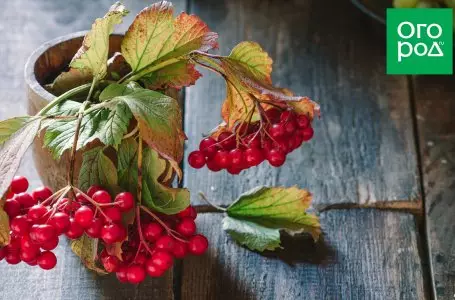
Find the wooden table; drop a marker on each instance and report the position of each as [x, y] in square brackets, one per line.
[381, 165]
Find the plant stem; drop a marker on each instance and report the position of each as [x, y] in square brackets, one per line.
[64, 97]
[139, 170]
[133, 76]
[169, 230]
[203, 197]
[139, 228]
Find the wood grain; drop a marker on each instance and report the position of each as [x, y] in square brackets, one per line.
[435, 110]
[367, 254]
[25, 25]
[363, 150]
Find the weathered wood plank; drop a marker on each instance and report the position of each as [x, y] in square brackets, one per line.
[363, 149]
[367, 254]
[25, 25]
[435, 109]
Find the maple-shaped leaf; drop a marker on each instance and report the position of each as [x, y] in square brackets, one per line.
[159, 118]
[4, 228]
[93, 54]
[156, 194]
[176, 75]
[256, 216]
[155, 39]
[87, 249]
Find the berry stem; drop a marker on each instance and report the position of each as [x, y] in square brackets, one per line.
[169, 230]
[203, 197]
[139, 229]
[94, 203]
[55, 195]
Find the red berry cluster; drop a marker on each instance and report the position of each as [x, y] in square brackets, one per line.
[152, 249]
[38, 219]
[251, 143]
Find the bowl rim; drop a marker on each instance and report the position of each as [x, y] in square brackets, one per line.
[29, 70]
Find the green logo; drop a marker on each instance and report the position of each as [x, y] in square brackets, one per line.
[419, 41]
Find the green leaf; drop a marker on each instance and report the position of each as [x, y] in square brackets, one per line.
[155, 37]
[4, 228]
[252, 235]
[12, 151]
[87, 249]
[155, 194]
[277, 207]
[69, 80]
[116, 125]
[59, 135]
[176, 75]
[11, 126]
[97, 169]
[93, 54]
[159, 118]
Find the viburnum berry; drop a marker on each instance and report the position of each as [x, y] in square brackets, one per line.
[20, 225]
[41, 194]
[208, 147]
[13, 258]
[125, 201]
[94, 229]
[50, 245]
[29, 254]
[102, 197]
[25, 200]
[277, 131]
[180, 249]
[196, 159]
[198, 244]
[152, 231]
[111, 233]
[60, 221]
[152, 270]
[83, 216]
[74, 231]
[226, 140]
[122, 273]
[47, 260]
[42, 233]
[236, 158]
[70, 206]
[276, 157]
[12, 207]
[273, 115]
[253, 157]
[113, 213]
[213, 166]
[140, 259]
[19, 184]
[162, 260]
[186, 227]
[234, 170]
[307, 133]
[286, 116]
[303, 121]
[110, 263]
[3, 253]
[165, 243]
[36, 212]
[222, 159]
[92, 190]
[135, 274]
[188, 212]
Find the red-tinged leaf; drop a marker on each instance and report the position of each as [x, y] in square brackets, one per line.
[115, 249]
[4, 228]
[177, 75]
[87, 249]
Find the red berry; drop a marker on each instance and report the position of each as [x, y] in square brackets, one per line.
[29, 254]
[36, 212]
[303, 121]
[162, 260]
[42, 233]
[81, 199]
[14, 244]
[226, 140]
[222, 159]
[92, 190]
[165, 243]
[102, 197]
[253, 140]
[135, 274]
[50, 245]
[273, 115]
[122, 273]
[60, 221]
[74, 231]
[180, 249]
[208, 147]
[125, 201]
[9, 195]
[111, 233]
[213, 166]
[290, 127]
[19, 225]
[3, 253]
[32, 263]
[198, 244]
[234, 170]
[253, 157]
[13, 258]
[152, 269]
[152, 231]
[26, 243]
[94, 230]
[140, 259]
[307, 133]
[188, 212]
[286, 116]
[70, 206]
[47, 260]
[196, 159]
[110, 263]
[12, 207]
[83, 216]
[277, 131]
[25, 200]
[41, 194]
[113, 213]
[276, 157]
[19, 184]
[283, 146]
[186, 227]
[236, 158]
[127, 257]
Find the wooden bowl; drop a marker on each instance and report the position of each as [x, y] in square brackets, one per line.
[42, 67]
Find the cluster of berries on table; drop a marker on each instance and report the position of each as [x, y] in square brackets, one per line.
[277, 134]
[149, 242]
[152, 250]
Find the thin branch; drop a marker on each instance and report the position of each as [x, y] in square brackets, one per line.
[203, 197]
[139, 170]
